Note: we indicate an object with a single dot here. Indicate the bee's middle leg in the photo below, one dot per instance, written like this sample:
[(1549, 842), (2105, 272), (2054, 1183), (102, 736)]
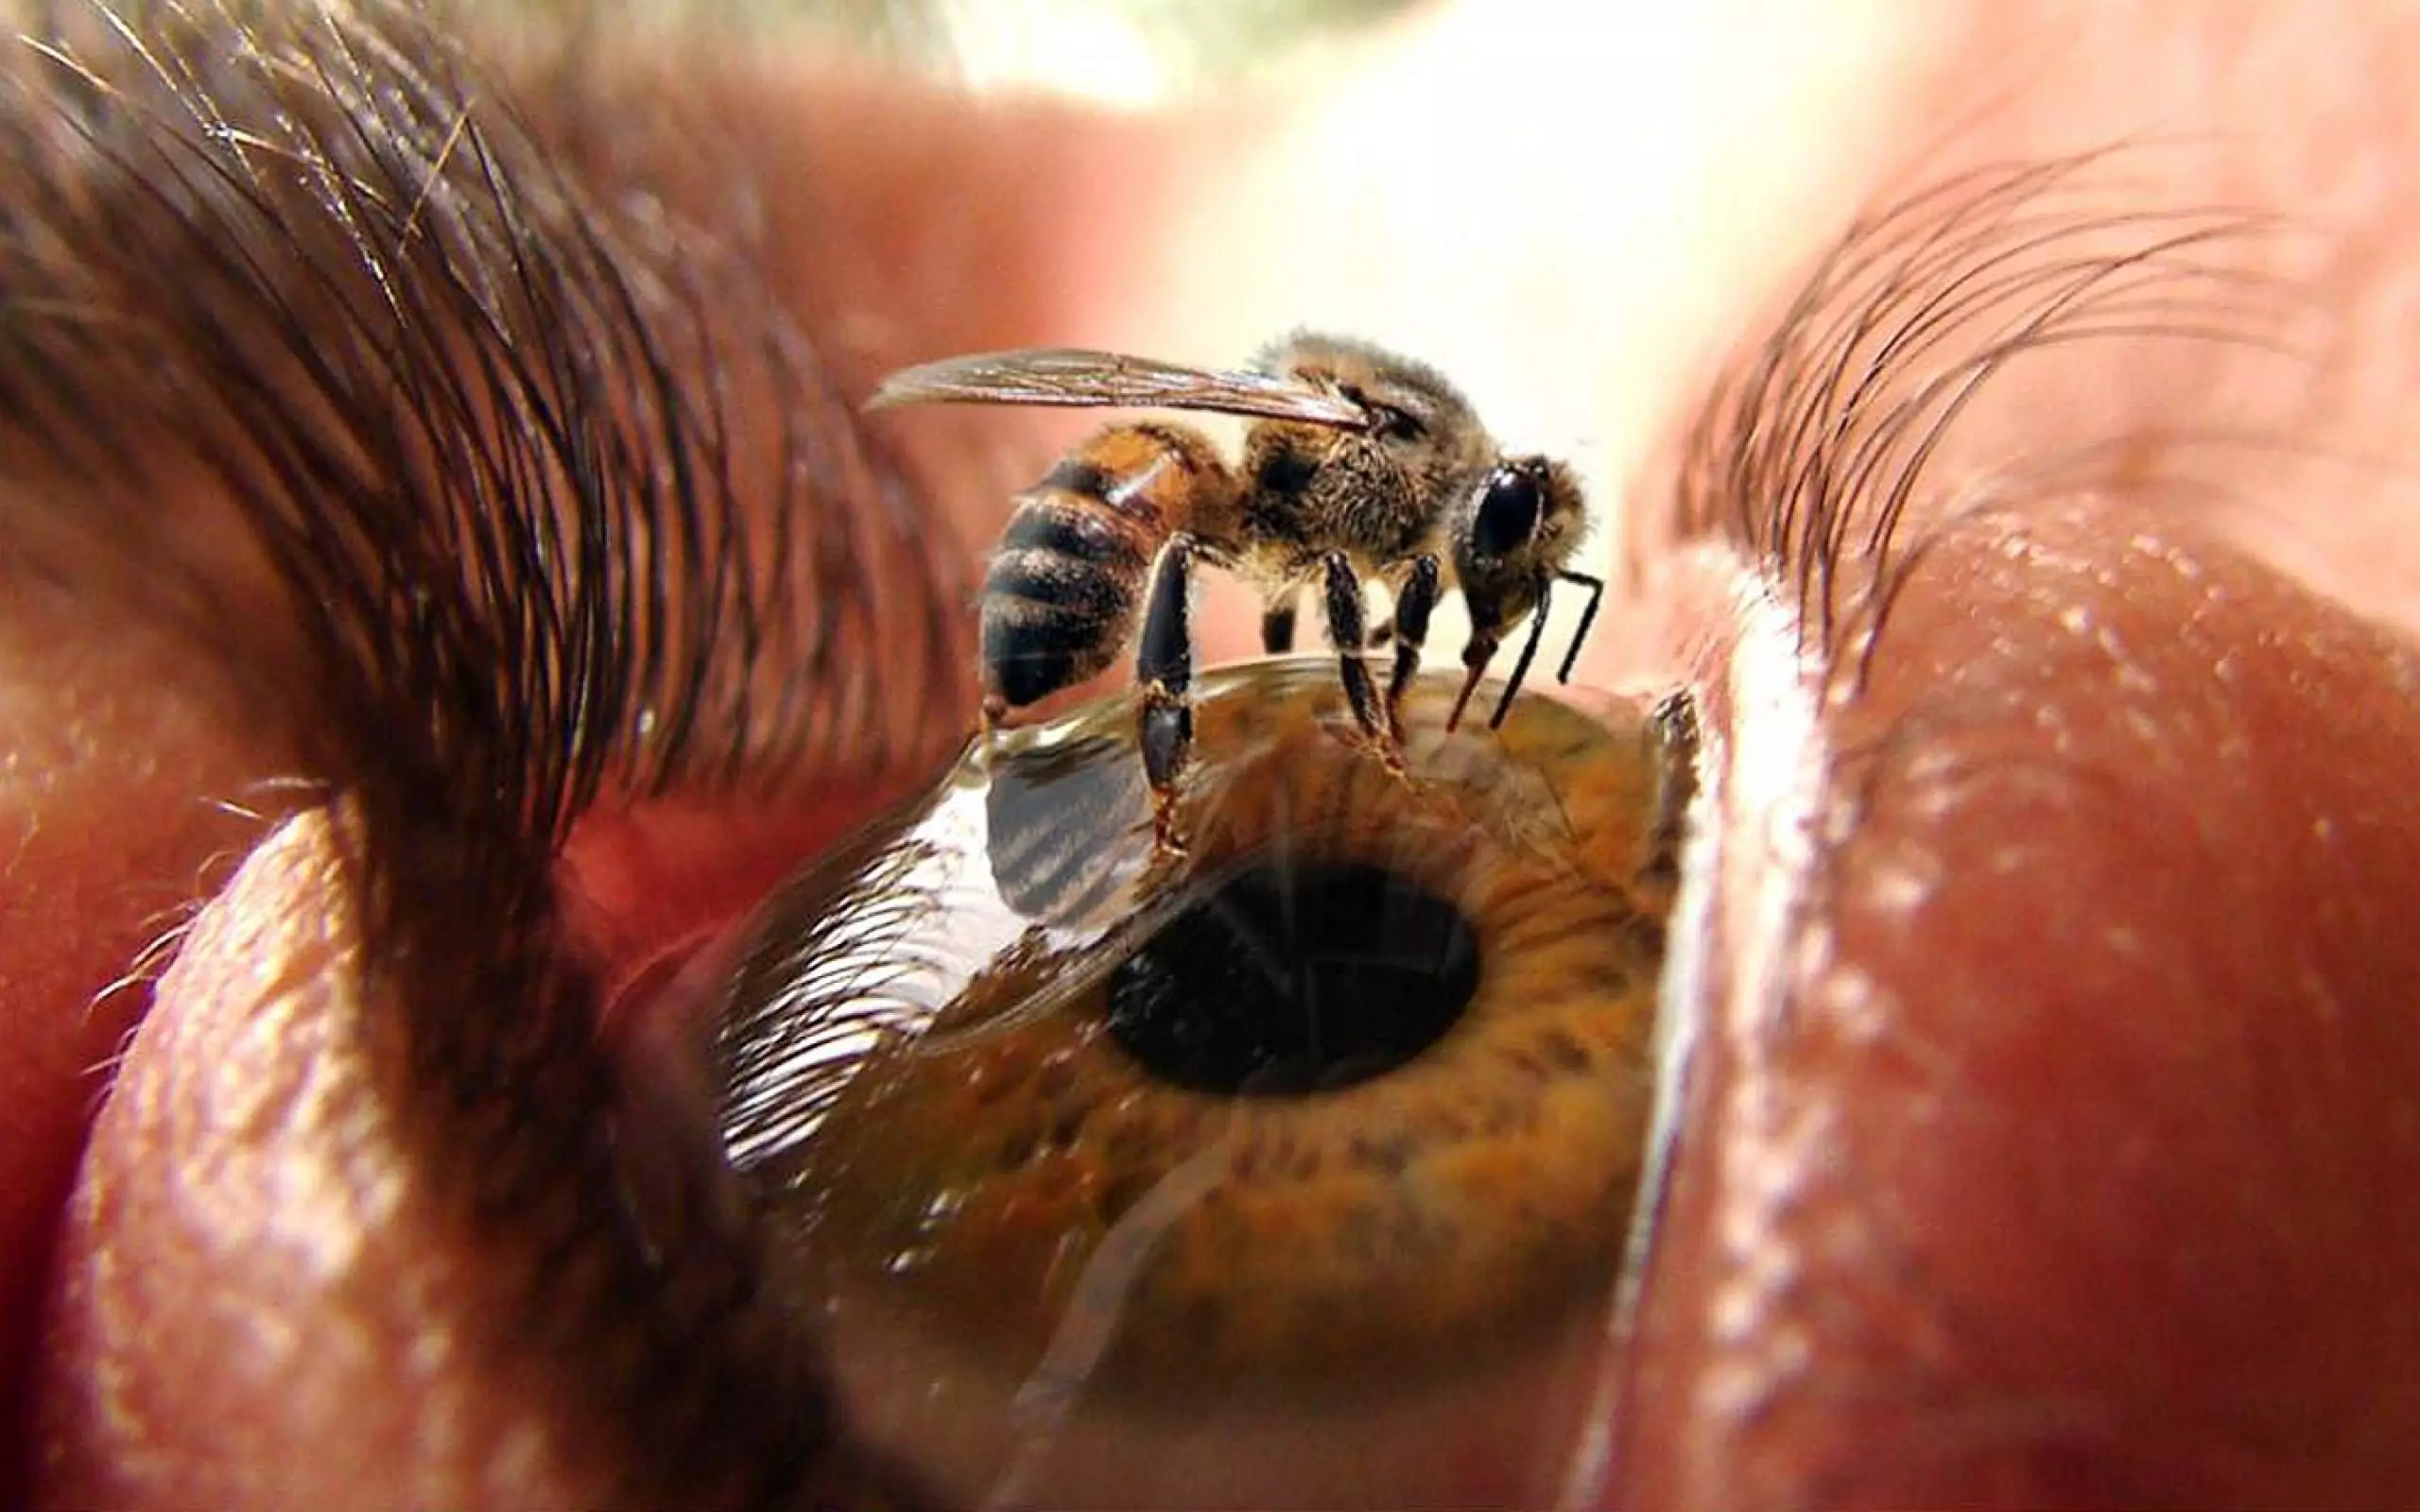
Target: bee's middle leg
[(1412, 609), (1348, 634), (1163, 669), (1277, 623)]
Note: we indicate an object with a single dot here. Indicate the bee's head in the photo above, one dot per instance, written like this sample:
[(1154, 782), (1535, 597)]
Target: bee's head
[(1521, 522), (1519, 525)]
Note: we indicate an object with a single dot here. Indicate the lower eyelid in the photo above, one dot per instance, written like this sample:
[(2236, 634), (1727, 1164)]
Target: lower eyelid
[(638, 880), (2066, 1128)]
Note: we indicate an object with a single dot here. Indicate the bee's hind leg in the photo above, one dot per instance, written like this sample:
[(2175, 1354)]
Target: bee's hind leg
[(1163, 669), (1348, 634)]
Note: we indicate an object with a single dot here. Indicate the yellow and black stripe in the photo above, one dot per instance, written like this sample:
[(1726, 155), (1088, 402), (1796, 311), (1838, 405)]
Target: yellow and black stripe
[(1064, 587)]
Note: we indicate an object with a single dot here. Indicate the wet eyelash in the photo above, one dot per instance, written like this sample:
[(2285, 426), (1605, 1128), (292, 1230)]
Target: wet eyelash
[(449, 396), (551, 503), (1815, 452)]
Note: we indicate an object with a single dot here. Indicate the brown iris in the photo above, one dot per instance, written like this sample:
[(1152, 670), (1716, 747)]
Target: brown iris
[(1357, 1092)]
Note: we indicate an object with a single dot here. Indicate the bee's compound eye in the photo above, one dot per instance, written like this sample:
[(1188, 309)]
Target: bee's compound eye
[(1508, 510)]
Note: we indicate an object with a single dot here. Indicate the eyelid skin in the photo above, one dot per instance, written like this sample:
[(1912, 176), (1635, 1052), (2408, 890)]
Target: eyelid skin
[(2057, 1160)]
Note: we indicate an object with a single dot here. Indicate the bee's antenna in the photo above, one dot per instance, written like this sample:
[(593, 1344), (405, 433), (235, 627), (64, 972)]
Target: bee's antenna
[(1528, 654), (1596, 587)]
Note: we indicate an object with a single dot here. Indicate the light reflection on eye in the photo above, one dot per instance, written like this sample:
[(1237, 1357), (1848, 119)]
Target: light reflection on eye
[(1298, 1169)]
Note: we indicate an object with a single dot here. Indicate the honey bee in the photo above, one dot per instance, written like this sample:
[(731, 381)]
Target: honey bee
[(1361, 465)]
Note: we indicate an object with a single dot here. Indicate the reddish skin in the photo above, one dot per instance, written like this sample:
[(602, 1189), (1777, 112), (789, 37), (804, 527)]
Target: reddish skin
[(2169, 1227), (2043, 1219), (107, 836)]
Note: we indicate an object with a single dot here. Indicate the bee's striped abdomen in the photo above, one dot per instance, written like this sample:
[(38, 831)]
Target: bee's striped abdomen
[(1066, 586)]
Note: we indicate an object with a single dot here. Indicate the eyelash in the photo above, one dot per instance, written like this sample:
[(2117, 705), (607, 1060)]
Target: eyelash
[(451, 399), (1810, 454)]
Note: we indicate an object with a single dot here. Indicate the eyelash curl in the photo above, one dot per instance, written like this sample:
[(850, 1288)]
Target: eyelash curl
[(557, 507), (1816, 453)]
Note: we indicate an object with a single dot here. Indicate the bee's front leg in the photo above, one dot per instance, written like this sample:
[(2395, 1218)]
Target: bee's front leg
[(1164, 668), (1348, 634), (1412, 608)]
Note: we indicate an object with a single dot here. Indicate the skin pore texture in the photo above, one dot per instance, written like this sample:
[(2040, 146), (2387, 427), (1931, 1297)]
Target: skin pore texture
[(2045, 1137)]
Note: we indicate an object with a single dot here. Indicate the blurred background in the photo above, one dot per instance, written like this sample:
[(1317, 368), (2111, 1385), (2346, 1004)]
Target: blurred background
[(1135, 52)]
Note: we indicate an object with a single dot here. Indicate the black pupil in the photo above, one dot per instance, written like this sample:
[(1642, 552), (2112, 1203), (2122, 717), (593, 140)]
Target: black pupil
[(1508, 515), (1295, 977)]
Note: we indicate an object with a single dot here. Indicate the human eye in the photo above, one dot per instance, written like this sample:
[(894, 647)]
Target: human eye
[(609, 617), (1295, 1168)]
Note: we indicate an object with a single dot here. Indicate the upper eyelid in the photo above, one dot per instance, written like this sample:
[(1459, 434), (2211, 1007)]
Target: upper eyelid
[(1819, 454), (404, 342)]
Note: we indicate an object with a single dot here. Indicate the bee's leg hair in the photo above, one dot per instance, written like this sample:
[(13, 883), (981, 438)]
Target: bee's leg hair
[(1164, 668), (1412, 607), (1347, 633)]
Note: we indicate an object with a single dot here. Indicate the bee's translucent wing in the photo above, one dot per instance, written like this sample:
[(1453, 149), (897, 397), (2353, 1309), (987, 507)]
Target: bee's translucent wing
[(1071, 376)]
